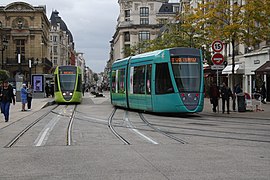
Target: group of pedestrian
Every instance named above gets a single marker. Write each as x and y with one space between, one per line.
226 93
26 96
7 97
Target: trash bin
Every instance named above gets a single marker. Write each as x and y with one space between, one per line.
241 102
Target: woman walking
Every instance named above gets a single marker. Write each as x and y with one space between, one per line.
24 97
7 97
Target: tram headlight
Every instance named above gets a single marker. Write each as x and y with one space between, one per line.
64 94
70 94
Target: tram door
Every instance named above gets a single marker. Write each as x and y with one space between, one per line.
140 87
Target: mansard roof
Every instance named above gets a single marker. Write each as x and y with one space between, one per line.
56 19
167 8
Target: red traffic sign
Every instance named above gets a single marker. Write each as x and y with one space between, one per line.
217 59
217 46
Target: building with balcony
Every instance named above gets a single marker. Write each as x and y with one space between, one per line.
61 42
139 20
26 29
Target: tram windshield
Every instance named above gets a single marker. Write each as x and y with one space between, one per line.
187 73
67 82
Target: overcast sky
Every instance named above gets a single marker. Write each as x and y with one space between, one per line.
91 22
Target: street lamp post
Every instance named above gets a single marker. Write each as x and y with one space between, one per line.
4 47
19 62
30 71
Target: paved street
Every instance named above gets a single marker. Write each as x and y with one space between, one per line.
201 146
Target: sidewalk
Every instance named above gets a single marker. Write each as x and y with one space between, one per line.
264 113
16 113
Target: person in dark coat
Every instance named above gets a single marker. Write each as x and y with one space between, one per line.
214 95
29 96
226 93
236 90
7 97
263 93
47 90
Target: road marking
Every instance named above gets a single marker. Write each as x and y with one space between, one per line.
44 134
129 125
42 137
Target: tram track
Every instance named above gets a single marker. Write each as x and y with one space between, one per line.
20 134
46 130
110 125
231 132
160 131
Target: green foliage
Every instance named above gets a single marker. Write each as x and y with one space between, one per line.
4 75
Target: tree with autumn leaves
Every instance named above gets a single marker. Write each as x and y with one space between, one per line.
233 22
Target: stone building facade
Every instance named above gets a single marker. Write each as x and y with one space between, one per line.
26 28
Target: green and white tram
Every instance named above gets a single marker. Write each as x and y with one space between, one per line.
169 80
68 84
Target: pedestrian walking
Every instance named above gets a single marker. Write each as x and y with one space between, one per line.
214 96
263 93
47 90
236 90
52 90
6 97
29 96
226 93
24 97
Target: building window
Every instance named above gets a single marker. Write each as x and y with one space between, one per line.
55 52
144 35
127 15
144 21
127 36
144 12
54 38
55 61
20 48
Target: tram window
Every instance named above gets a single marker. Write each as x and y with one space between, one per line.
79 85
121 81
163 79
113 81
56 88
148 79
139 80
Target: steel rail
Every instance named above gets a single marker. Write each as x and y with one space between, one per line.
69 129
16 138
160 131
112 129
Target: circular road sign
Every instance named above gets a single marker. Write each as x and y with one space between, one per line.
217 46
217 59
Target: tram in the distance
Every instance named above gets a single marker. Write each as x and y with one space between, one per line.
68 84
169 80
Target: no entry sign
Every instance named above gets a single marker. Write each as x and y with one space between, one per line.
217 59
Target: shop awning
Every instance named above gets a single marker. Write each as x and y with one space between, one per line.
264 69
228 69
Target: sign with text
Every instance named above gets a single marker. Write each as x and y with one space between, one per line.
217 46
